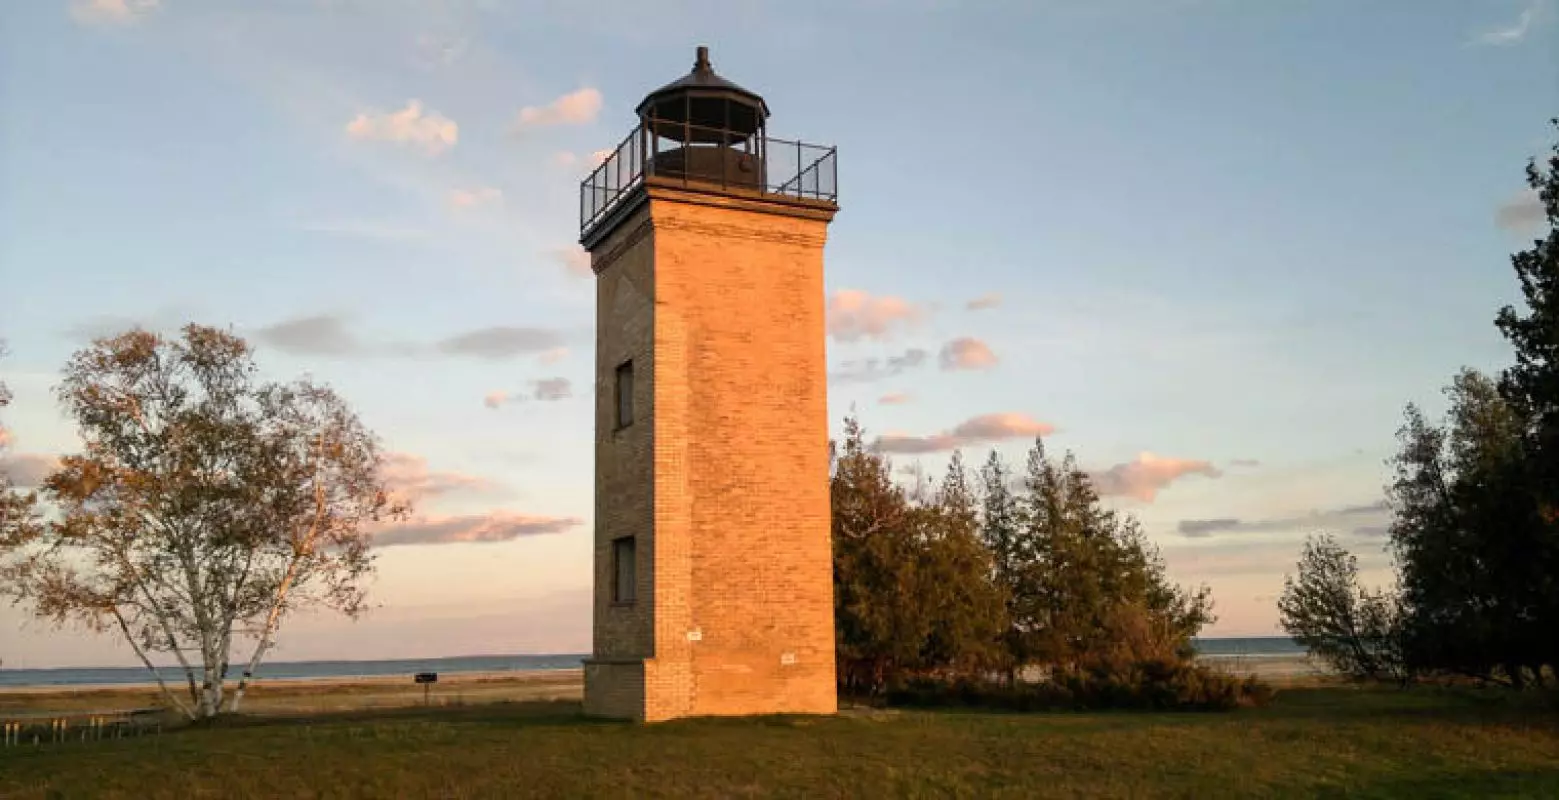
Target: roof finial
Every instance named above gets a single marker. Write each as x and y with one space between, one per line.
702 64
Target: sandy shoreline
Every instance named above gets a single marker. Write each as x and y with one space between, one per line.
1271 667
176 681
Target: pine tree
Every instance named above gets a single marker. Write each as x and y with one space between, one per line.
968 608
1010 566
1531 387
880 628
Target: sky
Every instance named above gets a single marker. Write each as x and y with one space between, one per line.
1213 247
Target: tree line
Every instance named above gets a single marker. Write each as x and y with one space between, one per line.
996 574
1475 500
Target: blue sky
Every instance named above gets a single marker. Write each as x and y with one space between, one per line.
1215 232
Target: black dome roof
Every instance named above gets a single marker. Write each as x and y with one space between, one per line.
701 92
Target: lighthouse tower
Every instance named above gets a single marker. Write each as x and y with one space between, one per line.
713 565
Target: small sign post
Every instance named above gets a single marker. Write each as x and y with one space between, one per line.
427 679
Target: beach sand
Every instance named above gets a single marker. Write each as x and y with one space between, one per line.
1280 671
283 696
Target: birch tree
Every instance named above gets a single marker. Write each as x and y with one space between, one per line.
205 507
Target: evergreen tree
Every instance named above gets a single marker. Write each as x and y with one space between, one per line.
1010 567
880 627
1101 593
967 607
1473 549
1531 385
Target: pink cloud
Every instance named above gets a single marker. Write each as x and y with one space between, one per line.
574 108
499 526
1143 478
984 429
567 158
894 399
854 314
967 353
111 12
575 259
478 196
432 131
984 302
408 477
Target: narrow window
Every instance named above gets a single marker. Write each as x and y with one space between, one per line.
624 569
625 394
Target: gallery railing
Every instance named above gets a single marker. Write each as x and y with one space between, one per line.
716 159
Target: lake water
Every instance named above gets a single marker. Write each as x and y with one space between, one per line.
300 669
1249 646
1255 646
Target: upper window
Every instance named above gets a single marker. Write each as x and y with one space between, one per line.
624 394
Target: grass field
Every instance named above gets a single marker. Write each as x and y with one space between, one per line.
1325 741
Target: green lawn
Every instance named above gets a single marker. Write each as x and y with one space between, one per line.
1374 743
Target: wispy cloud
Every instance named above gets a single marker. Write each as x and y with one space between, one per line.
474 197
1523 212
575 108
544 390
983 429
1362 520
367 229
471 528
163 320
409 477
854 314
501 342
984 302
440 51
1516 31
575 259
111 12
894 399
1143 478
867 370
568 158
328 335
967 353
1245 463
431 131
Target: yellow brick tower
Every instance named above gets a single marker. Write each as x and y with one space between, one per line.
713 565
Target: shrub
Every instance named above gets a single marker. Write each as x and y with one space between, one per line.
1151 685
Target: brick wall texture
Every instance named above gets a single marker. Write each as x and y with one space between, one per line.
723 476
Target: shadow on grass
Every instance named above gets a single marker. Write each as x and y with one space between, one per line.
499 714
1460 704
1472 783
